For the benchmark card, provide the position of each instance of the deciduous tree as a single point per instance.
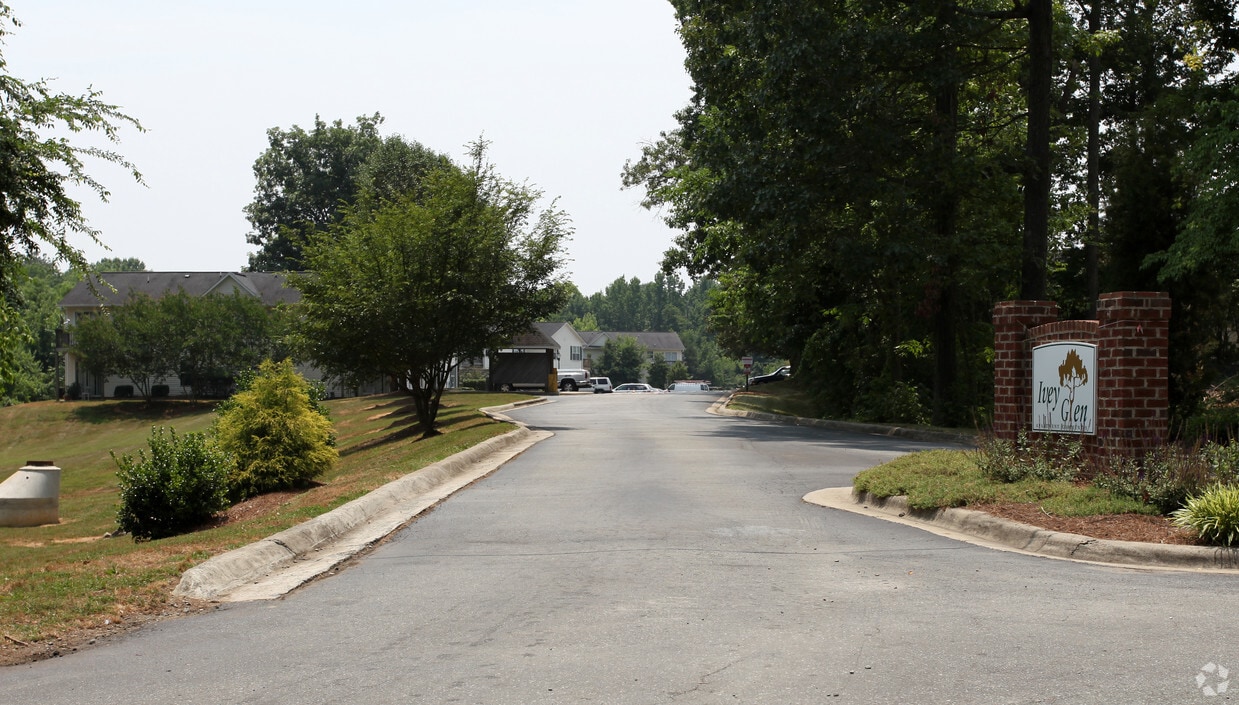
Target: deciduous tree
(302, 180)
(40, 167)
(623, 359)
(410, 287)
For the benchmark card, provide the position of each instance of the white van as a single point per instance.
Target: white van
(601, 385)
(689, 387)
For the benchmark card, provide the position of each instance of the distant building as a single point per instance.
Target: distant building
(270, 288)
(665, 346)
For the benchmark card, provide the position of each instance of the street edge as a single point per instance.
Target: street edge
(721, 408)
(994, 532)
(356, 525)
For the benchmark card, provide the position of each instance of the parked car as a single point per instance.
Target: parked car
(777, 376)
(635, 388)
(572, 380)
(601, 385)
(689, 387)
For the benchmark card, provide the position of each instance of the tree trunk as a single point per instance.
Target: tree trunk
(1037, 153)
(946, 218)
(1093, 186)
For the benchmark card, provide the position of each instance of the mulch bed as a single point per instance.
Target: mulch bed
(1115, 527)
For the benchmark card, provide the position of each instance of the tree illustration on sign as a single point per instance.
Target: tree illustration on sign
(1072, 375)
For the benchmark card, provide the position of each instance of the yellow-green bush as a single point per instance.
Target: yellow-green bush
(273, 430)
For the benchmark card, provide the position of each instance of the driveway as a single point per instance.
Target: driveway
(651, 552)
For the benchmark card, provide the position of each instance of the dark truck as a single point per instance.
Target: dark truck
(522, 371)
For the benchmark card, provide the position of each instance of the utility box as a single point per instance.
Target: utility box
(31, 496)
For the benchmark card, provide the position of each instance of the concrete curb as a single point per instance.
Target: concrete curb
(913, 434)
(987, 530)
(267, 568)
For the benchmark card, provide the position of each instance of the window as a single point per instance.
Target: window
(574, 352)
(671, 356)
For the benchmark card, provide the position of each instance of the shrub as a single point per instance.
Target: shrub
(181, 485)
(473, 379)
(160, 391)
(1049, 458)
(123, 391)
(275, 434)
(887, 401)
(1164, 478)
(1213, 515)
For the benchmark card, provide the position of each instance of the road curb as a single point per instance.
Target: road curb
(988, 530)
(913, 434)
(357, 524)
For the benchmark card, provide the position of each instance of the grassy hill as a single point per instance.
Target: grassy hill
(69, 578)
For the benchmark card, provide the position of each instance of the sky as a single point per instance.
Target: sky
(565, 91)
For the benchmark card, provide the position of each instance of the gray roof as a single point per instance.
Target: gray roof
(534, 339)
(654, 340)
(549, 329)
(269, 287)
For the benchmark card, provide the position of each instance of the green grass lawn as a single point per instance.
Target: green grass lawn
(68, 576)
(952, 478)
(946, 478)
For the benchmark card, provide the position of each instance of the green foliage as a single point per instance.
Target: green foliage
(75, 579)
(307, 180)
(474, 379)
(886, 401)
(664, 304)
(207, 340)
(1052, 458)
(39, 167)
(220, 336)
(1167, 476)
(658, 373)
(1163, 479)
(277, 437)
(301, 180)
(120, 264)
(587, 322)
(623, 360)
(139, 340)
(37, 320)
(1216, 415)
(941, 478)
(677, 371)
(1213, 515)
(406, 289)
(178, 487)
(868, 222)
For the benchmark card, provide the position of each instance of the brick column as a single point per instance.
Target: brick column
(1133, 378)
(1013, 362)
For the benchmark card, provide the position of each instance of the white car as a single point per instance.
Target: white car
(635, 388)
(601, 385)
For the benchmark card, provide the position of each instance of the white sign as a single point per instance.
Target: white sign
(746, 361)
(1064, 393)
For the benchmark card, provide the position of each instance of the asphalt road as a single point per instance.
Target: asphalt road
(652, 553)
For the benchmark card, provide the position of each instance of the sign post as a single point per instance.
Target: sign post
(747, 361)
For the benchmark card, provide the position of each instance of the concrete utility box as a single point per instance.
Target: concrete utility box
(31, 496)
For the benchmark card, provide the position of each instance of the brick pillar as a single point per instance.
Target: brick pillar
(1013, 362)
(1133, 377)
